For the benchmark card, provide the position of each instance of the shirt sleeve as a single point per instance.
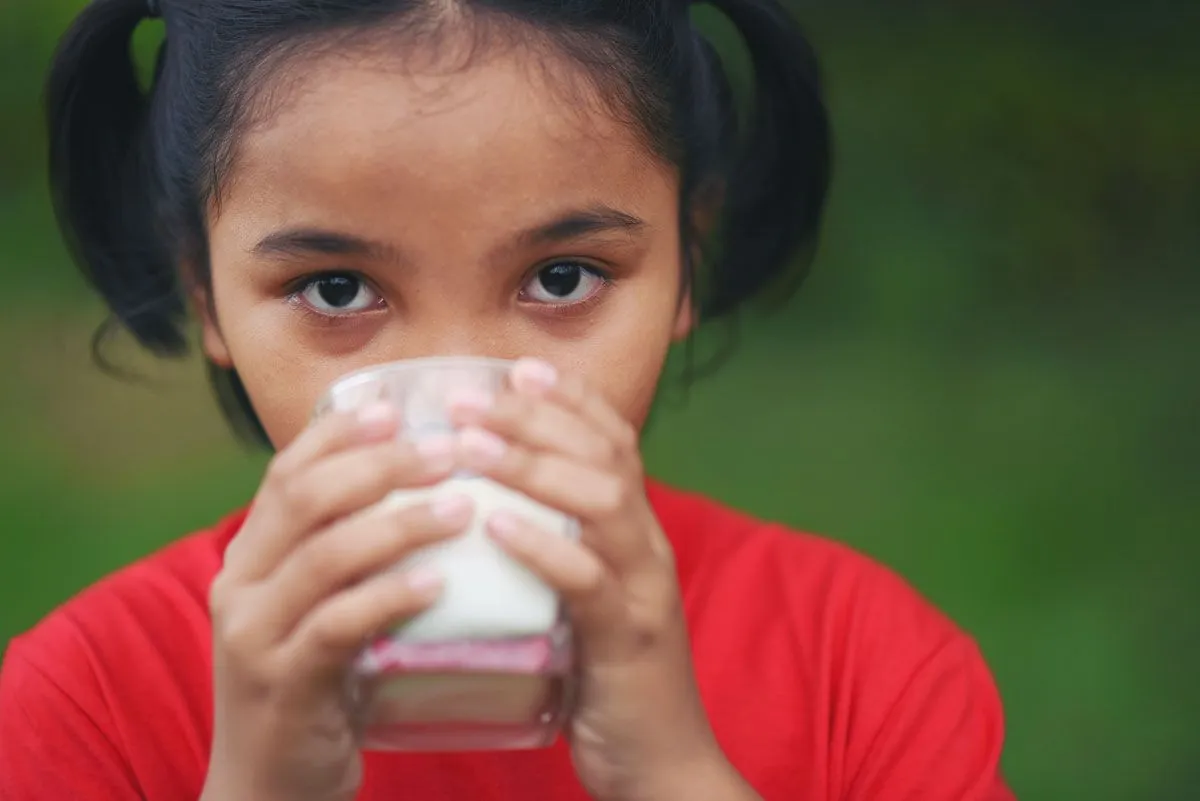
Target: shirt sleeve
(941, 738)
(55, 741)
(925, 719)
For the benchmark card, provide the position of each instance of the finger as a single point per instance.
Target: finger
(563, 563)
(332, 636)
(334, 433)
(348, 482)
(535, 423)
(369, 542)
(584, 582)
(289, 510)
(597, 497)
(541, 379)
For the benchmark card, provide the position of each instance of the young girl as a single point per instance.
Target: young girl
(332, 184)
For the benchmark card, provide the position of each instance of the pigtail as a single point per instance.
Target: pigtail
(775, 193)
(101, 174)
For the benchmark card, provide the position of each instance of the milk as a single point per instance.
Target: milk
(487, 594)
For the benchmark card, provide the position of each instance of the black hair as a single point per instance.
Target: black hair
(133, 169)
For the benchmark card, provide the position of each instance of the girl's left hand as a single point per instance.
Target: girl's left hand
(639, 731)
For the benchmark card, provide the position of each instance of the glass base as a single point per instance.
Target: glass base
(465, 696)
(451, 736)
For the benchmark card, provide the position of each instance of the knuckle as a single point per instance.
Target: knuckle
(524, 464)
(325, 633)
(235, 628)
(270, 672)
(611, 497)
(280, 470)
(299, 499)
(321, 557)
(237, 634)
(649, 621)
(527, 408)
(602, 451)
(665, 555)
(401, 520)
(508, 408)
(219, 597)
(420, 526)
(396, 465)
(592, 579)
(626, 438)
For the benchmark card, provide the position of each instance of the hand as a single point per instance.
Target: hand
(305, 583)
(640, 729)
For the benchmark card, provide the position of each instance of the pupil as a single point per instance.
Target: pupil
(338, 290)
(561, 279)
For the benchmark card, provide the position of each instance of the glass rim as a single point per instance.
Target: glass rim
(389, 370)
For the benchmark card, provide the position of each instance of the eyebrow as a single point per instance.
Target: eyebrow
(579, 223)
(299, 242)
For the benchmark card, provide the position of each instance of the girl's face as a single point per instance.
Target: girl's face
(381, 214)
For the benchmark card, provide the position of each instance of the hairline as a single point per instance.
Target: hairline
(266, 84)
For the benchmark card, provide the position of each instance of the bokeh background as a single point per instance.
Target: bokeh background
(991, 381)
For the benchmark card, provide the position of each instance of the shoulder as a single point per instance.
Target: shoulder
(809, 581)
(163, 592)
(717, 544)
(132, 649)
(901, 688)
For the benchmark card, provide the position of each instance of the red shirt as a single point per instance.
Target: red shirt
(825, 676)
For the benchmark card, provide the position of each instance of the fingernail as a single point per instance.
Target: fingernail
(437, 452)
(425, 581)
(377, 414)
(471, 400)
(452, 509)
(483, 444)
(503, 525)
(534, 374)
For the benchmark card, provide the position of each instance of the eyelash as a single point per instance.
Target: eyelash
(572, 309)
(296, 289)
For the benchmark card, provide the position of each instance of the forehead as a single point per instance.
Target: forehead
(370, 129)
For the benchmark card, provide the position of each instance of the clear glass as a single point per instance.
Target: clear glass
(489, 666)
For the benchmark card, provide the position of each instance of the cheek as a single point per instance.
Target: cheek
(625, 358)
(284, 392)
(283, 378)
(634, 383)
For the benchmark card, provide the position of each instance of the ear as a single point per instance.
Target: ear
(706, 213)
(211, 338)
(685, 318)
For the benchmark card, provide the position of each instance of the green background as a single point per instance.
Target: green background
(990, 383)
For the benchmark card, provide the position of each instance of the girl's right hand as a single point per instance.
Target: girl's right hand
(305, 584)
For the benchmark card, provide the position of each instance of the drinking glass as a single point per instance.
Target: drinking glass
(489, 665)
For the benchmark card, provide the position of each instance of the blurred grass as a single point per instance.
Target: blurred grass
(990, 382)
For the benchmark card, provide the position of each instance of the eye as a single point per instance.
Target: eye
(337, 293)
(564, 283)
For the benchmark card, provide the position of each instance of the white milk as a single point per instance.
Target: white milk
(487, 595)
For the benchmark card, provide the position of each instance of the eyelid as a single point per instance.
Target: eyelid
(294, 294)
(568, 308)
(579, 308)
(591, 265)
(301, 282)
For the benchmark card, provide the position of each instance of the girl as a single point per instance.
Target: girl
(330, 184)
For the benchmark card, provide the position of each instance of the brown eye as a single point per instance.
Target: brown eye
(563, 283)
(338, 293)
